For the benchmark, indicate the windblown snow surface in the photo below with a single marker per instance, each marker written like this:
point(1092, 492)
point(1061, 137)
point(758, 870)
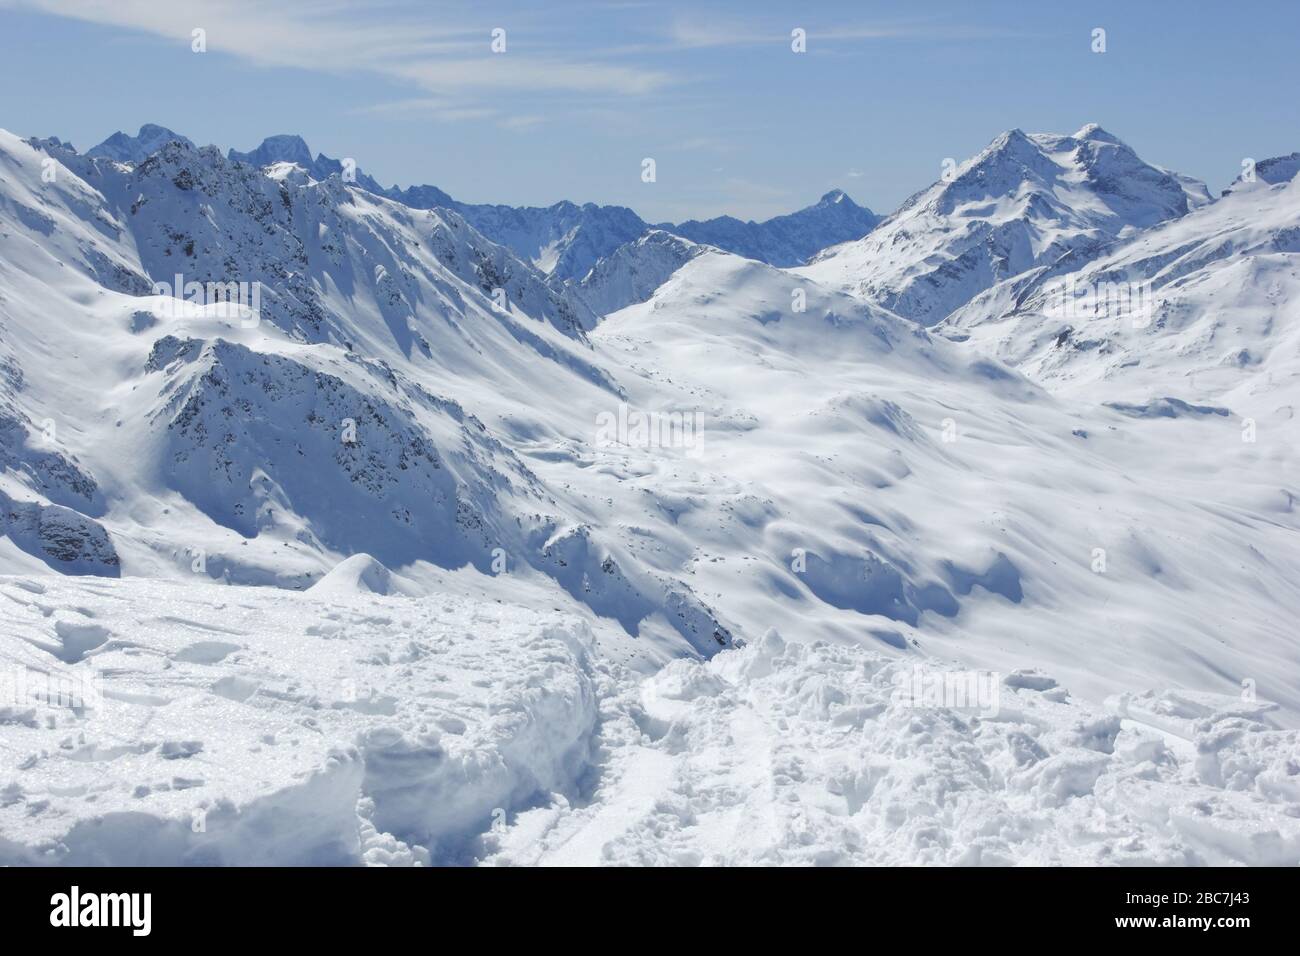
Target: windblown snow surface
point(696, 561)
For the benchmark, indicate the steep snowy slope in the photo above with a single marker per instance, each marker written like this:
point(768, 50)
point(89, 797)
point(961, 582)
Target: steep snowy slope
point(50, 500)
point(788, 240)
point(265, 448)
point(1025, 200)
point(632, 272)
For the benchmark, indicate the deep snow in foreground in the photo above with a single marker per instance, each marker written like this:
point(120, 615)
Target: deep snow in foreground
point(252, 726)
point(249, 726)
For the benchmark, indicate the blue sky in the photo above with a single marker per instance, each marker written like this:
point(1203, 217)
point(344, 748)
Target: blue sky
point(736, 122)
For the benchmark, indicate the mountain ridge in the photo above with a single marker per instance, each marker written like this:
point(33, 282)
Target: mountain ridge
point(566, 238)
point(1023, 200)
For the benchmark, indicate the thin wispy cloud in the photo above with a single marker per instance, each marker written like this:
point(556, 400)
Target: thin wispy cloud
point(520, 123)
point(340, 36)
point(320, 35)
point(694, 32)
point(690, 32)
point(515, 72)
point(428, 108)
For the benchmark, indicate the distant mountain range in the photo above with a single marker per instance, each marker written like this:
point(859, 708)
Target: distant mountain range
point(563, 240)
point(788, 240)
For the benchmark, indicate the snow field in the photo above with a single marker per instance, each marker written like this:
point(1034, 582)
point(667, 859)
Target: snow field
point(253, 726)
point(249, 726)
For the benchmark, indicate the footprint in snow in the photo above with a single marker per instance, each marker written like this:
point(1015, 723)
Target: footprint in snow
point(206, 652)
point(78, 640)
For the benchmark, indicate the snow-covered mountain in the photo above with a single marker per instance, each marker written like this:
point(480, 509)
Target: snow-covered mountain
point(912, 477)
point(664, 561)
point(788, 240)
point(632, 272)
point(1024, 201)
point(567, 239)
point(125, 148)
point(1278, 169)
point(380, 322)
point(292, 150)
point(330, 424)
point(564, 240)
point(1199, 306)
point(283, 148)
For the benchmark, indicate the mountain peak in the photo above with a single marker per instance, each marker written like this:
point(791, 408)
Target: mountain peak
point(1092, 132)
point(1014, 145)
point(154, 131)
point(281, 148)
point(125, 148)
point(787, 240)
point(1011, 140)
point(1000, 169)
point(1269, 172)
point(1278, 169)
point(1024, 200)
